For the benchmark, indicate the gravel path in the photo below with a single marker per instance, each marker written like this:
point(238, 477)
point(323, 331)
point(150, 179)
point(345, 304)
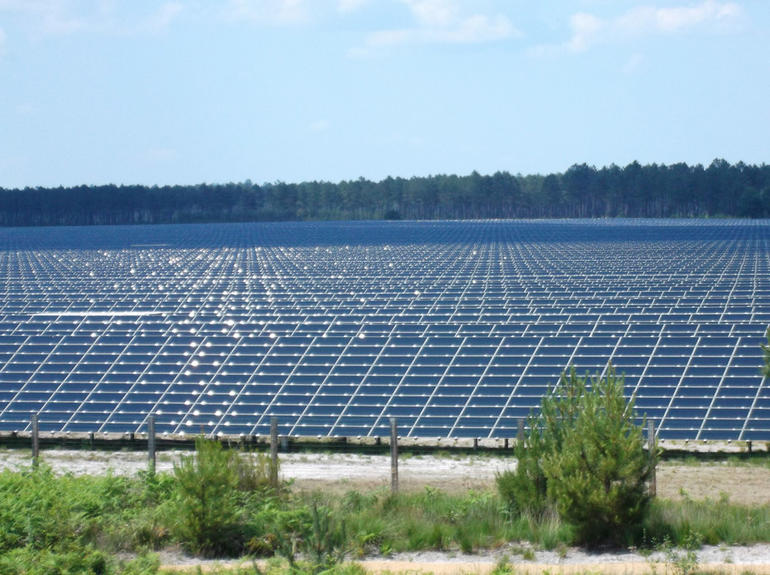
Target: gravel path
point(754, 559)
point(340, 471)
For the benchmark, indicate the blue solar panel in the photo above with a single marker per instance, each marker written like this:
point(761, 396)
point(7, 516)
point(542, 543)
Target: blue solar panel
point(457, 328)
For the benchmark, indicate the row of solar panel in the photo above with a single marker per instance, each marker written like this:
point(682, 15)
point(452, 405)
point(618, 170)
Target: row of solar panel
point(260, 314)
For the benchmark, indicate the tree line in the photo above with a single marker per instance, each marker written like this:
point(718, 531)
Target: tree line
point(655, 190)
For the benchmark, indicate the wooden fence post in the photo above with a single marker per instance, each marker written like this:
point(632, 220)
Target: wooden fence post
point(35, 440)
point(274, 452)
point(652, 455)
point(151, 444)
point(393, 455)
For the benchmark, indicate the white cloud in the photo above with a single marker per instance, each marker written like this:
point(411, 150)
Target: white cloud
point(56, 17)
point(163, 17)
point(645, 19)
point(434, 13)
point(707, 15)
point(348, 6)
point(277, 12)
point(319, 126)
point(441, 22)
point(50, 16)
point(586, 28)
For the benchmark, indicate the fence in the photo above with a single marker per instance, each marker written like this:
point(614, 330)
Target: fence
point(278, 443)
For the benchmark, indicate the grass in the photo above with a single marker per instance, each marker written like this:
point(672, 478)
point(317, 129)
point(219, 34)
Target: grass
point(711, 522)
point(87, 524)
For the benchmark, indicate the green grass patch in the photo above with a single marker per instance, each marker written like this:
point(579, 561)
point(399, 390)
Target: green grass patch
point(222, 506)
point(708, 522)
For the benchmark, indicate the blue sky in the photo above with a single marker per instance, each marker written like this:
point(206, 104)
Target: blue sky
point(190, 91)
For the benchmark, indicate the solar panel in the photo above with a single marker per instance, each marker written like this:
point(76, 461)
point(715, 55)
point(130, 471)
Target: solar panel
point(456, 328)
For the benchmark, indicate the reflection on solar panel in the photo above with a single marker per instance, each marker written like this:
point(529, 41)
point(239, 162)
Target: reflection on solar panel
point(456, 328)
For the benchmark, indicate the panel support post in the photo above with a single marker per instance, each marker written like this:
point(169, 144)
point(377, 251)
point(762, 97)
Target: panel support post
point(653, 456)
point(151, 444)
point(35, 440)
point(274, 452)
point(393, 455)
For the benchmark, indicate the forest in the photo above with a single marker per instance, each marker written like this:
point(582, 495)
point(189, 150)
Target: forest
point(645, 191)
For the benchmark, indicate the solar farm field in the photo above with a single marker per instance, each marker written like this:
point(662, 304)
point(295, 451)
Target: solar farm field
point(455, 328)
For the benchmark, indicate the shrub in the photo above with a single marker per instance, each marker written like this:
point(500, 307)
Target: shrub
point(36, 510)
point(525, 489)
point(584, 457)
point(30, 561)
point(208, 515)
point(598, 479)
point(254, 470)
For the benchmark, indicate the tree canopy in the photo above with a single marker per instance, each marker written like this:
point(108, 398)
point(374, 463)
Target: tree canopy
point(678, 190)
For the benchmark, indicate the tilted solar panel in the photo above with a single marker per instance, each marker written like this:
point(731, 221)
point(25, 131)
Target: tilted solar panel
point(456, 328)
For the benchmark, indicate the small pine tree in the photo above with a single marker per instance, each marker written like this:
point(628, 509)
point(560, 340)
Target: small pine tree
point(598, 479)
point(207, 511)
point(584, 457)
point(525, 489)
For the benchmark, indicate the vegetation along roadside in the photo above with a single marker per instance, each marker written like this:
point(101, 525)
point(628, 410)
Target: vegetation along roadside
point(571, 488)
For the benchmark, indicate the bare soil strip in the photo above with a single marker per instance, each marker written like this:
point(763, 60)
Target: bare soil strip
point(341, 472)
point(483, 567)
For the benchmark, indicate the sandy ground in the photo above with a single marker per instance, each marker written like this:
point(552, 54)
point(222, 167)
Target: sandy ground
point(738, 560)
point(748, 484)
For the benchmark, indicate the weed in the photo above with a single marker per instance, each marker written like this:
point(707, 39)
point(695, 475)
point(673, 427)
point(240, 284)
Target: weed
point(254, 471)
point(526, 552)
point(715, 522)
point(47, 519)
point(684, 560)
point(503, 566)
point(326, 540)
point(386, 550)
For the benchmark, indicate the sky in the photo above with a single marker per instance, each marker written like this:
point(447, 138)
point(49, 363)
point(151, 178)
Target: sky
point(192, 91)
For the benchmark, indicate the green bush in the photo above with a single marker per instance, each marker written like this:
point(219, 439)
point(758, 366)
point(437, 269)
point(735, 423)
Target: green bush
point(209, 519)
point(39, 510)
point(598, 479)
point(525, 489)
point(584, 457)
point(30, 561)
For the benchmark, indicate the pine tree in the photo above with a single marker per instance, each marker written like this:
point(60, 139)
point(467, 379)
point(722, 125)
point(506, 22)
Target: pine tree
point(585, 458)
point(598, 478)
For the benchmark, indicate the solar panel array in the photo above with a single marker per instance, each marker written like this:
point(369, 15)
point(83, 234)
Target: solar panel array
point(455, 328)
